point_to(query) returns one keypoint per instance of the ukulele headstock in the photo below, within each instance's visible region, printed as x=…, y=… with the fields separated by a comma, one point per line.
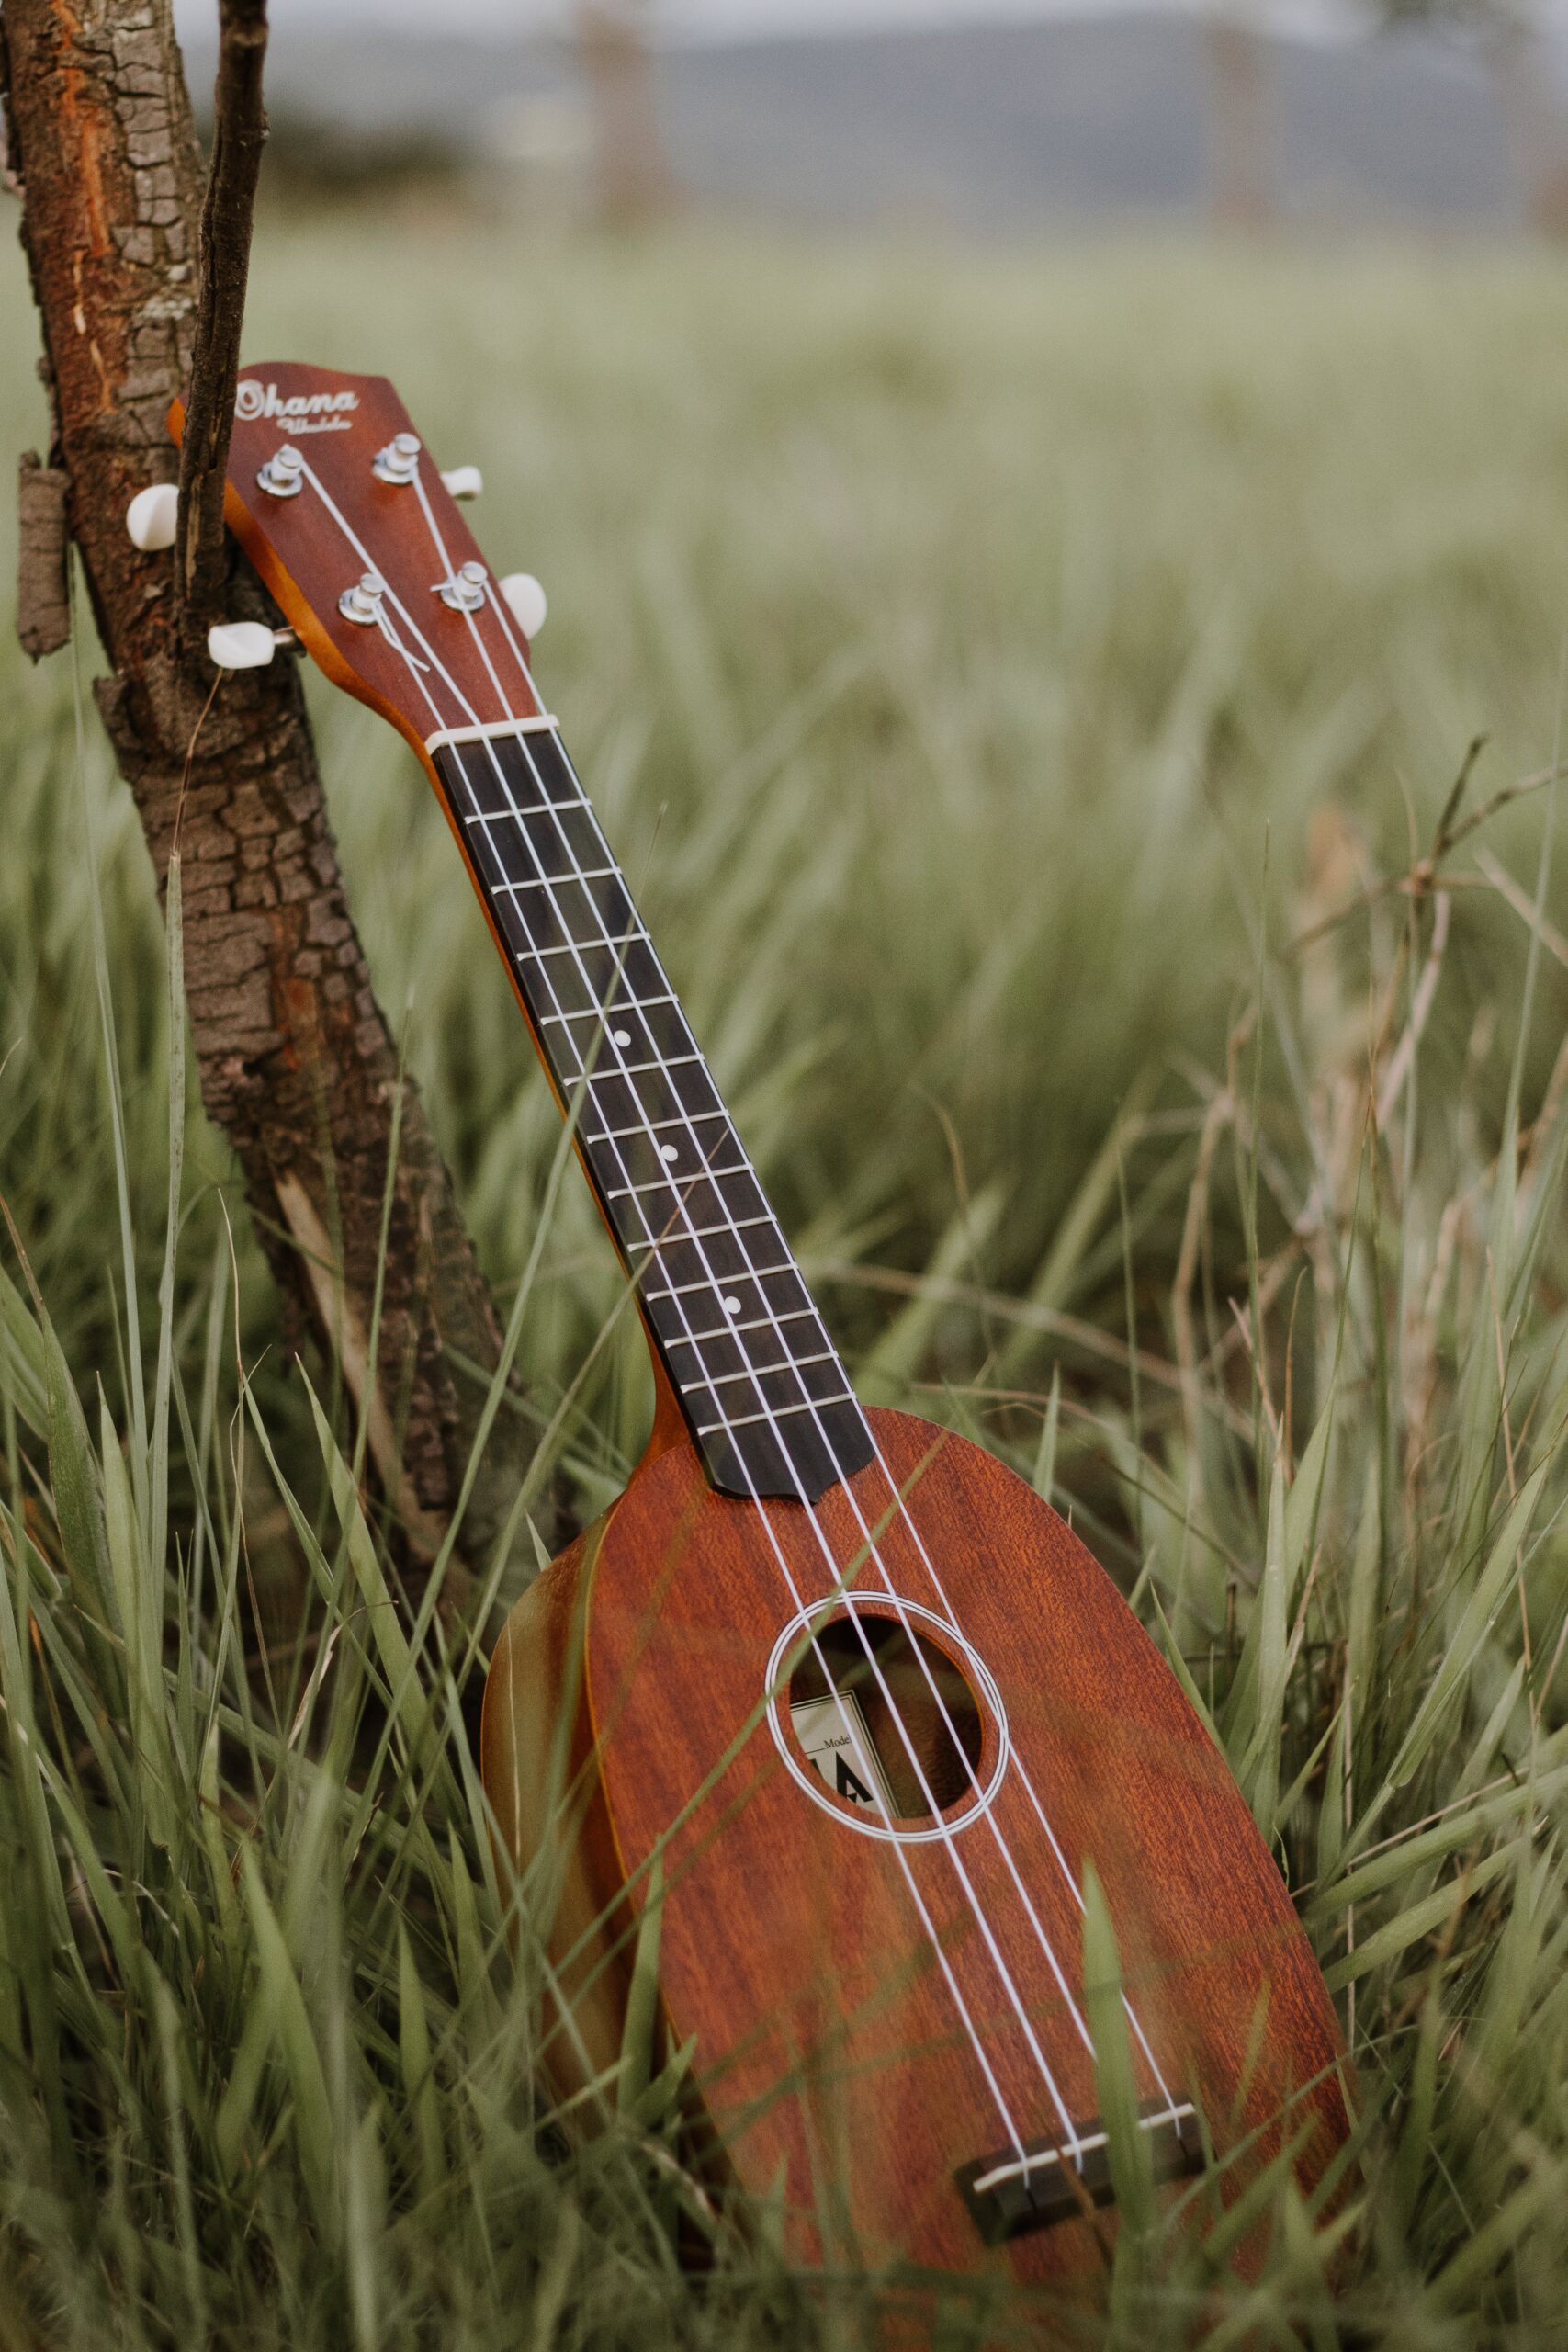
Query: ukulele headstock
x=342, y=510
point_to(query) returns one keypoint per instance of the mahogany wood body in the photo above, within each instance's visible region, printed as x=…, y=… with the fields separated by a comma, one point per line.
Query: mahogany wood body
x=791, y=1947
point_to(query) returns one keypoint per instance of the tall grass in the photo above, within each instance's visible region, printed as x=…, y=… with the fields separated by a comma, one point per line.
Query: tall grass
x=1001, y=677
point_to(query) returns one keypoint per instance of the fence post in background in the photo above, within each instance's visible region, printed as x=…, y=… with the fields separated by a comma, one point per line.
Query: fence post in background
x=1524, y=77
x=1241, y=125
x=297, y=1066
x=632, y=180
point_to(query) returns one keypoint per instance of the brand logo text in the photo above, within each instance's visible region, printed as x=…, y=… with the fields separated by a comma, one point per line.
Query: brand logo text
x=301, y=411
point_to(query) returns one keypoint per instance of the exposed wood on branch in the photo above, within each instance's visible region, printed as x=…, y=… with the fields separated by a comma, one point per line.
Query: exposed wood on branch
x=43, y=602
x=297, y=1066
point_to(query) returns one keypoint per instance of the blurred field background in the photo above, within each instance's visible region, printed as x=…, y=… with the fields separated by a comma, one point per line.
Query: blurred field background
x=977, y=658
x=989, y=660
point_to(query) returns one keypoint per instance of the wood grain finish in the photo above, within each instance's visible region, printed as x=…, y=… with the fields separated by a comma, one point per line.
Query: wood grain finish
x=793, y=1948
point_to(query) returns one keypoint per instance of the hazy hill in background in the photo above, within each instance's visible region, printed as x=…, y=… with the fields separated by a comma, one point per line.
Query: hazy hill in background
x=996, y=126
x=1004, y=126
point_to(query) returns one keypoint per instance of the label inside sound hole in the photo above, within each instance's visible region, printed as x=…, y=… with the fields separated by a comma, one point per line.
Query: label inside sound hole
x=833, y=1733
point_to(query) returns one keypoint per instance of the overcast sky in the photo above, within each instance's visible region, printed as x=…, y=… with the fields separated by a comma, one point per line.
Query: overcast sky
x=724, y=17
x=731, y=17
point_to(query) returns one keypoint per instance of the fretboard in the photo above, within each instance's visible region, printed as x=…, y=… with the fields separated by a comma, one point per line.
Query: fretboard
x=747, y=1353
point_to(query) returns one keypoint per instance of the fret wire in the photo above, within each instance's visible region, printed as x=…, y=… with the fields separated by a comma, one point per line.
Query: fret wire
x=713, y=1281
x=653, y=1244
x=761, y=1371
x=745, y=1420
x=721, y=1282
x=544, y=881
x=705, y=1233
x=637, y=1069
x=592, y=874
x=579, y=947
x=672, y=1183
x=752, y=1323
x=667, y=1235
x=554, y=881
x=655, y=1128
x=683, y=1231
x=535, y=808
x=606, y=1012
x=517, y=728
x=514, y=888
x=627, y=939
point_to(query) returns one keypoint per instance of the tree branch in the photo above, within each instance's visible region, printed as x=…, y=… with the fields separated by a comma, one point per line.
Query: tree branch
x=239, y=134
x=297, y=1067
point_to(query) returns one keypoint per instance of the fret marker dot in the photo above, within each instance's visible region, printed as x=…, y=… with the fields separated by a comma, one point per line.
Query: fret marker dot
x=622, y=1036
x=667, y=1151
x=731, y=1305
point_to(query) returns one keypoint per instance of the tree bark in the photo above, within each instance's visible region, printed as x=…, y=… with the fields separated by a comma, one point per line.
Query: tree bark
x=297, y=1066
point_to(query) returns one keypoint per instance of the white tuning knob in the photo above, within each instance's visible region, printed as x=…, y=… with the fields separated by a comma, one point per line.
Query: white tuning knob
x=464, y=482
x=525, y=600
x=245, y=645
x=149, y=517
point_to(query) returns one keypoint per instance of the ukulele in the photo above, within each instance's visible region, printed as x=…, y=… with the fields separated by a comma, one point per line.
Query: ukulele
x=829, y=1713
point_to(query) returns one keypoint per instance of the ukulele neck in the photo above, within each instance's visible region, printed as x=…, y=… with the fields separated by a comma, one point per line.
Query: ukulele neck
x=758, y=1380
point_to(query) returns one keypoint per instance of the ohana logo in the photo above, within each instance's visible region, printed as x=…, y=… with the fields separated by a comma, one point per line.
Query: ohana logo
x=302, y=412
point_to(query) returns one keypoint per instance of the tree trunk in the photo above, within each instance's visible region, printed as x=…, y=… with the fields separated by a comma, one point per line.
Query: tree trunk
x=1242, y=178
x=297, y=1066
x=1532, y=124
x=631, y=171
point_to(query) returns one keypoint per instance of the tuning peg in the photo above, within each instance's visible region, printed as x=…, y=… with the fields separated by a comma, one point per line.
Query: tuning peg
x=149, y=517
x=464, y=482
x=247, y=645
x=527, y=601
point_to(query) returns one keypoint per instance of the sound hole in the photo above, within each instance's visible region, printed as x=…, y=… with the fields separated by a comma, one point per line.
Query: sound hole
x=860, y=1731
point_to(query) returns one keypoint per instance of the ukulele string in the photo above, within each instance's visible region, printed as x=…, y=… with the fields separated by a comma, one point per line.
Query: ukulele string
x=766, y=1415
x=1075, y=1889
x=391, y=596
x=1004, y=1975
x=900, y=1509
